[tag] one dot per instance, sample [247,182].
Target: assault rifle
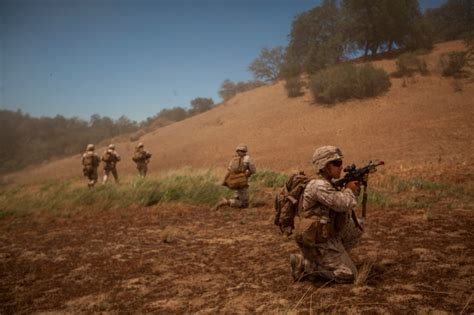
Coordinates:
[357,174]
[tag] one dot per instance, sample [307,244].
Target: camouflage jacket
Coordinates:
[110,158]
[90,159]
[325,206]
[141,157]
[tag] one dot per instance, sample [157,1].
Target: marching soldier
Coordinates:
[141,158]
[110,159]
[90,163]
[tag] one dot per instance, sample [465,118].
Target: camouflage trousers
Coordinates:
[92,175]
[331,259]
[142,169]
[241,198]
[107,172]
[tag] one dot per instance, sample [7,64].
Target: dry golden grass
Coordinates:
[423,124]
[363,273]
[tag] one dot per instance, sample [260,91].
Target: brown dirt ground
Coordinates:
[228,261]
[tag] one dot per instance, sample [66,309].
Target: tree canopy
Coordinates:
[268,64]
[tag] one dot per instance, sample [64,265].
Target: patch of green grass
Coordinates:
[379,199]
[59,198]
[62,199]
[269,179]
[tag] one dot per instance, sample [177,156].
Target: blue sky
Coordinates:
[132,57]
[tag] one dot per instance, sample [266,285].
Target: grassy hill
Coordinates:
[426,121]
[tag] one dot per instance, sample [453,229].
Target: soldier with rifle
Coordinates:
[328,227]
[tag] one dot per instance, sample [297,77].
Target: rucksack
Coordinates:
[236,177]
[90,159]
[236,165]
[139,156]
[288,202]
[107,157]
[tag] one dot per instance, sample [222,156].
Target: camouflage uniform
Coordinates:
[90,162]
[325,232]
[241,163]
[141,158]
[241,196]
[110,159]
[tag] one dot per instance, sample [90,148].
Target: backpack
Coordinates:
[138,156]
[236,165]
[236,177]
[288,202]
[90,159]
[107,157]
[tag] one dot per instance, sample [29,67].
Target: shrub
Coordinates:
[408,64]
[347,81]
[452,63]
[293,87]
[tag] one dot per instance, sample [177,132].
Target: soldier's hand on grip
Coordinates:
[354,186]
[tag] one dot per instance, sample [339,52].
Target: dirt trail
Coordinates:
[228,261]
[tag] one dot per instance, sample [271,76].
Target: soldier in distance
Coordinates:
[110,159]
[141,158]
[90,163]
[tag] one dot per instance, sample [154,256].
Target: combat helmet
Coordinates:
[90,147]
[241,147]
[325,154]
[112,146]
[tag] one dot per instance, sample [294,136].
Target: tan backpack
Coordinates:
[289,200]
[90,159]
[236,177]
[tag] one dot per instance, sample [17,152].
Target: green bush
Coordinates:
[408,64]
[452,63]
[346,81]
[293,87]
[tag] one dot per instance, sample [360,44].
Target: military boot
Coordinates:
[221,203]
[297,266]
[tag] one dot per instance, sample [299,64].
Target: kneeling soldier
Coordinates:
[240,169]
[325,232]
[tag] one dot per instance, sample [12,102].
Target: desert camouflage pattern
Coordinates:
[90,163]
[325,154]
[325,205]
[142,158]
[110,159]
[241,196]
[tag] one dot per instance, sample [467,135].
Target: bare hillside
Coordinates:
[423,123]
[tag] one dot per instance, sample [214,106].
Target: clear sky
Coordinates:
[133,57]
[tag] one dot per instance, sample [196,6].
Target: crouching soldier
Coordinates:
[110,159]
[141,158]
[325,232]
[240,169]
[90,163]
